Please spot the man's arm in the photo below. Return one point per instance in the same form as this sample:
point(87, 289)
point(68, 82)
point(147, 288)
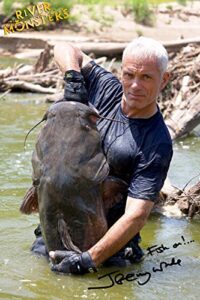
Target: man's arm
point(69, 57)
point(92, 84)
point(133, 220)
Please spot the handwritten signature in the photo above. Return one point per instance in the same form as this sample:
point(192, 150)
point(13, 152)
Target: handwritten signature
point(142, 278)
point(160, 249)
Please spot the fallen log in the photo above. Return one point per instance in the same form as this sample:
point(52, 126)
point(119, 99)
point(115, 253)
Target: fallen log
point(113, 49)
point(183, 121)
point(109, 49)
point(33, 77)
point(179, 101)
point(5, 73)
point(43, 59)
point(188, 201)
point(177, 202)
point(54, 98)
point(27, 87)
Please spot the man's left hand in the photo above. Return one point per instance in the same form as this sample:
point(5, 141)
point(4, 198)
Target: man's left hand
point(72, 262)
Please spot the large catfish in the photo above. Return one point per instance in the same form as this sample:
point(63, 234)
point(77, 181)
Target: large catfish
point(69, 168)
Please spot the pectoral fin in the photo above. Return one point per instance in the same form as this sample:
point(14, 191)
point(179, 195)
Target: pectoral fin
point(30, 202)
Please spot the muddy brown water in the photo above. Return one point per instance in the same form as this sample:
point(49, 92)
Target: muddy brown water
point(171, 270)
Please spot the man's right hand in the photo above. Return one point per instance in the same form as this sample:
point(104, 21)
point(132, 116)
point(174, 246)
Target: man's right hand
point(72, 262)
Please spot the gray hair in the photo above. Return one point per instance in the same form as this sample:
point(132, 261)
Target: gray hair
point(144, 47)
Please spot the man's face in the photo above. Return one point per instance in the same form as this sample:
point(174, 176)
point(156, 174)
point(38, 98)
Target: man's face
point(142, 81)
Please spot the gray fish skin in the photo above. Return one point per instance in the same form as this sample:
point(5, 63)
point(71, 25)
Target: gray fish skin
point(68, 170)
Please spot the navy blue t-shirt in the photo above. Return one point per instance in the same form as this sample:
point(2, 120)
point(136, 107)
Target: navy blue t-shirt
point(138, 150)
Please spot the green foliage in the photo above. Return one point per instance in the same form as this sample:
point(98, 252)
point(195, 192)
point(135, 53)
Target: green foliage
point(142, 12)
point(141, 8)
point(61, 4)
point(182, 2)
point(139, 32)
point(89, 2)
point(8, 4)
point(170, 7)
point(101, 2)
point(97, 14)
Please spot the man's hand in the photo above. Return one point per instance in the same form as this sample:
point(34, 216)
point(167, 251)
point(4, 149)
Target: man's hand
point(72, 262)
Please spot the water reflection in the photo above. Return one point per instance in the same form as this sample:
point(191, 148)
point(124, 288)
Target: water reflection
point(186, 161)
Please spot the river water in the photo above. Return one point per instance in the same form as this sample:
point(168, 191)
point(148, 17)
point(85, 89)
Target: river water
point(172, 274)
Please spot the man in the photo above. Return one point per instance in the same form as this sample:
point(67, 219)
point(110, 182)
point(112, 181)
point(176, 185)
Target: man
point(138, 149)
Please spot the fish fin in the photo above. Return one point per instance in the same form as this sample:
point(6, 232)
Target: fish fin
point(113, 191)
point(65, 236)
point(30, 202)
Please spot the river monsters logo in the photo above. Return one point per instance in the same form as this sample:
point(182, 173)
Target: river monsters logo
point(34, 16)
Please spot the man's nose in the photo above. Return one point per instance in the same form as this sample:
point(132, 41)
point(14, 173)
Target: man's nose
point(135, 82)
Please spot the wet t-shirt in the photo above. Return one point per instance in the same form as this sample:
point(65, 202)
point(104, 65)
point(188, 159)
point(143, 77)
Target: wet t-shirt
point(138, 150)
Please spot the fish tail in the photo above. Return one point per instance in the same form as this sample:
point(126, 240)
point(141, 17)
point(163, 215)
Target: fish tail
point(65, 236)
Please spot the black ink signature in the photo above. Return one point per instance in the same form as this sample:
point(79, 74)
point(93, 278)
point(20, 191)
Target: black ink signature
point(142, 278)
point(160, 249)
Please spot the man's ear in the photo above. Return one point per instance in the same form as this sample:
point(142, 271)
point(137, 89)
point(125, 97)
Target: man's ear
point(165, 80)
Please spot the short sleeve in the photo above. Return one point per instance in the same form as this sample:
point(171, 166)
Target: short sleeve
point(104, 89)
point(150, 172)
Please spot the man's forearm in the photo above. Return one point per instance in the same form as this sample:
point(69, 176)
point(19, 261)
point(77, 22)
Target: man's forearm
point(69, 57)
point(135, 217)
point(115, 238)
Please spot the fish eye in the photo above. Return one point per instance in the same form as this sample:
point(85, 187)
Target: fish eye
point(93, 119)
